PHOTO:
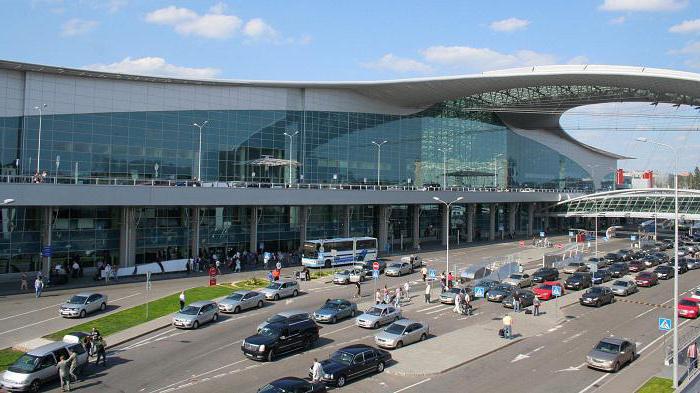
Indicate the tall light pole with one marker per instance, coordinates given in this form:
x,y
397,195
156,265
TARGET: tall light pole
x,y
38,148
379,156
199,154
447,227
444,165
675,251
291,151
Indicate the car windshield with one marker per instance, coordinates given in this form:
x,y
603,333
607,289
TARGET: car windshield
x,y
686,302
332,305
516,276
189,310
600,273
618,265
575,264
26,363
644,275
274,285
454,290
395,265
235,296
269,332
545,286
276,318
342,357
504,288
343,272
374,311
77,300
595,290
620,283
272,389
395,328
607,347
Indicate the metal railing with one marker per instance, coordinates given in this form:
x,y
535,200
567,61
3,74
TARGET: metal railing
x,y
108,181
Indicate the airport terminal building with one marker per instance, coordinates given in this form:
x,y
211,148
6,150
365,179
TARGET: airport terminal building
x,y
133,173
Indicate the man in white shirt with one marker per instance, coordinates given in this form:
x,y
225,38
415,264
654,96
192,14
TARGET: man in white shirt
x,y
316,371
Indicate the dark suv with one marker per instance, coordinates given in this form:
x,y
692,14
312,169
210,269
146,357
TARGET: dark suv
x,y
545,274
352,362
578,281
280,338
619,269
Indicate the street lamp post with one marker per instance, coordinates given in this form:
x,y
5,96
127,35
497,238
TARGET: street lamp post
x,y
447,248
38,147
675,251
444,166
291,151
199,154
379,157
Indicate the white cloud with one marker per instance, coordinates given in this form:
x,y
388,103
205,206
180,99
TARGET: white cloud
x,y
578,60
484,58
510,24
154,66
187,22
115,5
692,48
618,21
687,26
257,29
390,62
643,5
77,26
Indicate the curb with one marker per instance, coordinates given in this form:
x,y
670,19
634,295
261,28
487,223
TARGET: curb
x,y
443,371
139,335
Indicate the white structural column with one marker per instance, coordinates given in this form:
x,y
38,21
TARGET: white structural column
x,y
445,233
493,208
530,218
46,229
347,215
253,241
194,231
471,211
303,219
127,237
383,227
512,214
415,209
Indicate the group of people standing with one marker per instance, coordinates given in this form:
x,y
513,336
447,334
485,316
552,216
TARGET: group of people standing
x,y
387,296
94,345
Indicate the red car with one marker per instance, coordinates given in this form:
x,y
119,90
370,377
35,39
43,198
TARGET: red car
x,y
646,279
688,308
544,290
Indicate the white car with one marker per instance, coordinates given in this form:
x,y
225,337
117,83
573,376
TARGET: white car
x,y
280,289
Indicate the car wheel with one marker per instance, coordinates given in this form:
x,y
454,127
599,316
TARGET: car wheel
x,y
237,310
295,293
260,303
380,367
399,344
195,325
334,320
598,303
376,325
35,386
270,355
616,367
277,296
352,314
423,337
82,313
341,381
215,317
103,306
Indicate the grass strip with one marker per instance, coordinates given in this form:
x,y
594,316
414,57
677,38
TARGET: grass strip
x,y
7,357
657,385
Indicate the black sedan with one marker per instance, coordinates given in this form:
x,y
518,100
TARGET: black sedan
x,y
545,274
292,384
597,296
353,362
664,272
500,292
601,276
619,269
525,296
578,281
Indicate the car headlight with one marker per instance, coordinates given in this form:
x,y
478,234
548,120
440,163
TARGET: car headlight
x,y
328,376
261,348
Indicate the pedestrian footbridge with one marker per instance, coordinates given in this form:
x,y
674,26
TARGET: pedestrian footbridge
x,y
634,203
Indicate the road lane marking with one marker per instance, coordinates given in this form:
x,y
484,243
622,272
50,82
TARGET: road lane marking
x,y
341,329
194,376
147,339
575,336
52,306
435,311
430,308
594,383
554,328
29,325
572,368
412,386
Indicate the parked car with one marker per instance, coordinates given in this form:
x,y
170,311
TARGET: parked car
x,y
619,269
624,287
400,333
38,366
664,272
520,280
398,269
83,303
597,296
280,338
650,261
285,316
525,296
646,279
636,266
599,263
613,257
574,267
611,354
544,290
378,315
280,289
292,384
601,276
196,314
448,297
487,284
341,277
335,309
578,281
415,260
626,254
688,308
352,362
500,292
682,267
369,265
545,274
691,263
241,300
358,275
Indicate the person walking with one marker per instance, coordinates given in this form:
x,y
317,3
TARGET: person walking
x,y
692,356
182,300
536,306
377,297
73,365
397,297
87,344
270,278
359,289
427,293
188,266
516,303
450,279
238,265
38,287
424,272
508,326
23,282
458,303
406,288
316,371
100,352
63,373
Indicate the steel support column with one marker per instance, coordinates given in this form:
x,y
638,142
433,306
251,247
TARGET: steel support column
x,y
127,237
493,208
253,241
443,224
471,211
530,218
383,227
415,209
194,231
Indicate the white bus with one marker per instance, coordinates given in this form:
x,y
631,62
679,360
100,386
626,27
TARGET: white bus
x,y
339,251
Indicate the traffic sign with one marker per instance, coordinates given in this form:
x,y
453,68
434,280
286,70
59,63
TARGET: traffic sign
x,y
375,266
559,245
665,324
479,291
375,274
47,251
571,234
542,234
556,290
633,238
432,273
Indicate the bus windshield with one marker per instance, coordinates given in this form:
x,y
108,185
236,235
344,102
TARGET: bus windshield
x,y
310,250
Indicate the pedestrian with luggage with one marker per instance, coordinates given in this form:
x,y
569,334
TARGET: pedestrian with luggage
x,y
516,303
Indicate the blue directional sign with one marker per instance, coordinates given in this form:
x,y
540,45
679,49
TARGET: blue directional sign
x,y
556,290
47,251
375,274
478,291
542,234
432,273
665,324
571,234
633,238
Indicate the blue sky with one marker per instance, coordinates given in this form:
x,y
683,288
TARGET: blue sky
x,y
369,40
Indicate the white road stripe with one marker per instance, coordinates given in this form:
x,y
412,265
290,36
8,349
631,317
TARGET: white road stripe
x,y
341,329
594,383
412,386
430,308
169,387
29,325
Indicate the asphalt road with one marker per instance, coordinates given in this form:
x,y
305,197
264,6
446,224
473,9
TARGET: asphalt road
x,y
209,359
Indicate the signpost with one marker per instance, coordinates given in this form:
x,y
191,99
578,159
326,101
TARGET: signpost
x,y
556,292
665,324
478,291
375,266
47,251
148,289
432,273
542,234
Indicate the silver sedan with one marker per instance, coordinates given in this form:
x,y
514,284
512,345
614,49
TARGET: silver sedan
x,y
241,300
398,269
402,332
378,315
82,304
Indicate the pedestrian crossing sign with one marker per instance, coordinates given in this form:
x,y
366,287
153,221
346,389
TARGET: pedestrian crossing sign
x,y
665,324
375,274
478,291
556,290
